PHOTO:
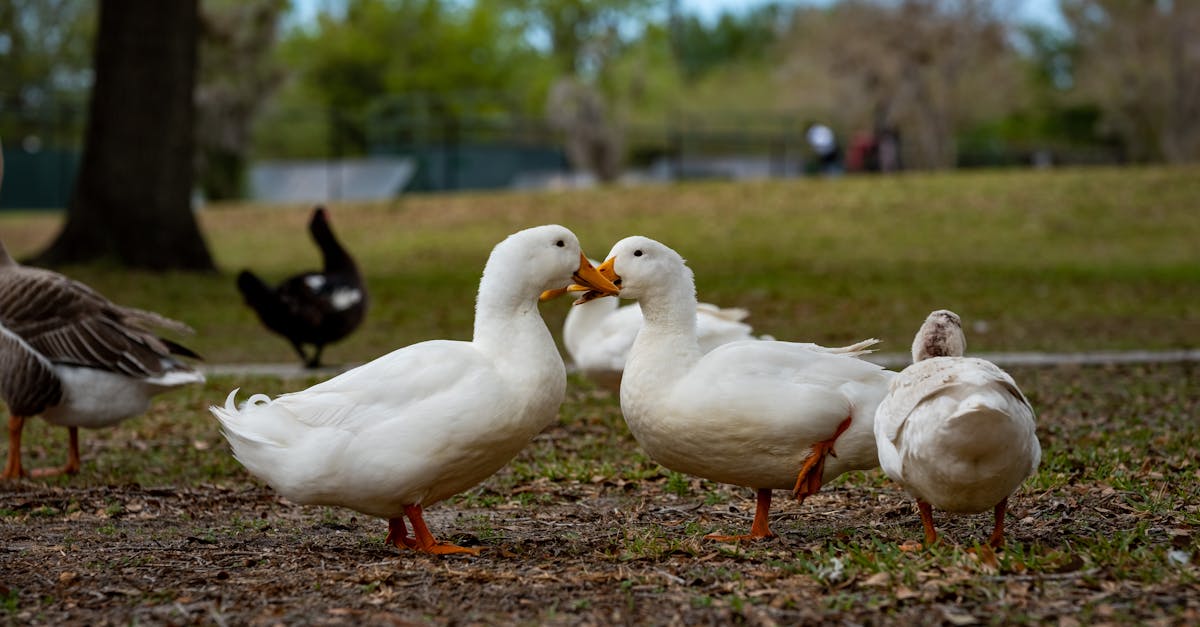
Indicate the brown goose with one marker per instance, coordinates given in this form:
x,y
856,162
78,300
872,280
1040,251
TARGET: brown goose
x,y
77,359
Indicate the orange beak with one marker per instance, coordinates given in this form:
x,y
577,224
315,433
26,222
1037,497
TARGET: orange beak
x,y
587,278
609,275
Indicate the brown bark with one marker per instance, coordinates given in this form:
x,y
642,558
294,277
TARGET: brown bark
x,y
132,199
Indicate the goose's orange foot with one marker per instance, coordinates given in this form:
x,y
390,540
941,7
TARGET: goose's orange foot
x,y
54,472
73,464
808,480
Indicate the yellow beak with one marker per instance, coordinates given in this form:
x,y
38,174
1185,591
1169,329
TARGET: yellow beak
x,y
587,278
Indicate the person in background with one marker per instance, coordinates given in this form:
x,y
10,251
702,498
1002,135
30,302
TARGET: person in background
x,y
827,153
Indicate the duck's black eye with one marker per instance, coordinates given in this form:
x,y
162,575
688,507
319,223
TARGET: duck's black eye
x,y
560,243
637,253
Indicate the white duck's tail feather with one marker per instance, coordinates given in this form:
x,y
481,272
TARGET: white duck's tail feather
x,y
853,350
732,314
234,425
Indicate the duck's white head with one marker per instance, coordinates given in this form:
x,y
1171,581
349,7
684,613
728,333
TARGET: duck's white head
x,y
940,336
544,258
642,267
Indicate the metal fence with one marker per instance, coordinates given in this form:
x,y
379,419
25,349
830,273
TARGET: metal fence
x,y
480,145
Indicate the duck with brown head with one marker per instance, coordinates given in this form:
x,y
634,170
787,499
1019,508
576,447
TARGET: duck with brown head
x,y
955,432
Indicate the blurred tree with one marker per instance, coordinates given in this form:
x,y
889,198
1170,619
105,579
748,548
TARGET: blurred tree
x,y
585,37
926,68
593,143
131,201
237,77
1140,61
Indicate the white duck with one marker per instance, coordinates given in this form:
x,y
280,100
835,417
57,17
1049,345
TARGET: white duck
x,y
955,431
76,358
430,420
598,334
760,414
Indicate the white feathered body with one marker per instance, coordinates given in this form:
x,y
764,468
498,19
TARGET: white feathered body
x,y
427,421
413,427
94,398
747,413
957,433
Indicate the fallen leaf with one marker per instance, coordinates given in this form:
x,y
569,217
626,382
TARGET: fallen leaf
x,y
878,580
956,616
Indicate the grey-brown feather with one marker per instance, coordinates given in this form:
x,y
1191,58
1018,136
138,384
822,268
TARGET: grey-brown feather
x,y
27,384
67,322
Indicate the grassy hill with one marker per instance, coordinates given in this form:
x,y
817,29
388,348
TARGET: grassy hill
x,y
1033,260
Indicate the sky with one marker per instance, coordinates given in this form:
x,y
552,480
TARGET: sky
x,y
1041,11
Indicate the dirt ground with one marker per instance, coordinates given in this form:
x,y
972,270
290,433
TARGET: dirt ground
x,y
1104,534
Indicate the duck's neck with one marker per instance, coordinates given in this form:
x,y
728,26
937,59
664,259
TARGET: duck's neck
x,y
336,258
509,328
666,347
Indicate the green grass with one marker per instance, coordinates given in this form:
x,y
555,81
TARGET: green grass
x,y
1064,260
1060,260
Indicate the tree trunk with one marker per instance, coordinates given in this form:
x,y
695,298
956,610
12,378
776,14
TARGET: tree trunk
x,y
132,199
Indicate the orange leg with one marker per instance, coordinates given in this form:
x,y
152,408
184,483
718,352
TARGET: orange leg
x,y
73,464
931,536
12,469
760,528
927,520
808,481
398,533
424,541
997,539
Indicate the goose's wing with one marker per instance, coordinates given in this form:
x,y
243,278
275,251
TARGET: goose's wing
x,y
27,380
68,322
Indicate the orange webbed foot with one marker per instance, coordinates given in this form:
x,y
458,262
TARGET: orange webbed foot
x,y
912,546
424,541
447,548
808,480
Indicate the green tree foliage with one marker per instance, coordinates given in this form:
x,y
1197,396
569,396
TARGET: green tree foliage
x,y
45,60
428,50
